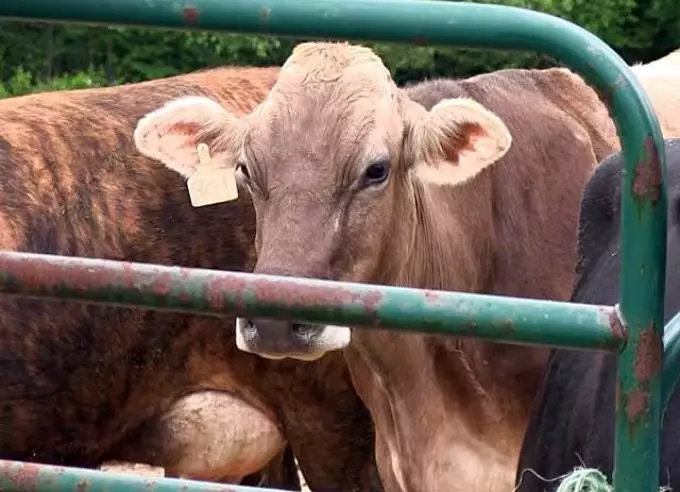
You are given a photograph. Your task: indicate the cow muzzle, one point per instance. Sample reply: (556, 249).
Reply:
(273, 339)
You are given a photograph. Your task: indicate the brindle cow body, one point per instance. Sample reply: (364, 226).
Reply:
(469, 185)
(84, 384)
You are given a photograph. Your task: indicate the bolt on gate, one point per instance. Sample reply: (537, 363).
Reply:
(617, 329)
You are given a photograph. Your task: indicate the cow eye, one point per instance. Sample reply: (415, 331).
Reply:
(243, 169)
(377, 172)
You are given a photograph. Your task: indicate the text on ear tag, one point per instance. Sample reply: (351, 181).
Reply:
(211, 183)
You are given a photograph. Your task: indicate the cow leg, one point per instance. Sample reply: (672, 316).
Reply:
(330, 429)
(207, 435)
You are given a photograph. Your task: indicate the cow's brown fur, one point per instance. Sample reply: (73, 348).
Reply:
(79, 382)
(449, 413)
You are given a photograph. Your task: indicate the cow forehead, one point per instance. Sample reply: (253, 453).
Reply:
(330, 81)
(324, 124)
(332, 106)
(330, 62)
(328, 84)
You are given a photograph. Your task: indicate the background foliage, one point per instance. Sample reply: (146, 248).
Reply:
(38, 57)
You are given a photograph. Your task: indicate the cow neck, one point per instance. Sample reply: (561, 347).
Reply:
(454, 243)
(444, 243)
(441, 248)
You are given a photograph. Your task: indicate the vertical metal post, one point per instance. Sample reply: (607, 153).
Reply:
(643, 262)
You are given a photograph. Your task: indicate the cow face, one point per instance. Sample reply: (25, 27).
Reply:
(331, 158)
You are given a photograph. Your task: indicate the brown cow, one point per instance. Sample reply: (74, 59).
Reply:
(85, 384)
(355, 179)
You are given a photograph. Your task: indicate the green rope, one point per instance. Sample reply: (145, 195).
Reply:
(585, 480)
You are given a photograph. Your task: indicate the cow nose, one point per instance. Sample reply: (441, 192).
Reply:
(273, 338)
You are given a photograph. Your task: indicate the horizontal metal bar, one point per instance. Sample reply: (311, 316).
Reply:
(16, 476)
(314, 301)
(419, 21)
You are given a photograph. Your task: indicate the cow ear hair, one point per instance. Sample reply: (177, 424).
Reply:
(456, 140)
(171, 134)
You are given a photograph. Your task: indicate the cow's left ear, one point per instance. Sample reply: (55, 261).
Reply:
(172, 133)
(456, 140)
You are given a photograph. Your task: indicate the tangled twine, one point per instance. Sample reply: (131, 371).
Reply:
(589, 480)
(585, 480)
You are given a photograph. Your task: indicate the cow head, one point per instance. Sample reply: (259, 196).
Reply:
(331, 158)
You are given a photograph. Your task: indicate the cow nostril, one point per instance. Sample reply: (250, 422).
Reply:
(297, 328)
(250, 325)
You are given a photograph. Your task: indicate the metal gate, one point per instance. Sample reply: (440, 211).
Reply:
(632, 329)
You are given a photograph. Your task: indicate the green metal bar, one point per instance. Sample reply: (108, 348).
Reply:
(671, 362)
(16, 476)
(314, 301)
(496, 27)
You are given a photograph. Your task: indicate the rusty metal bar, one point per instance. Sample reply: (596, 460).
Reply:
(16, 476)
(313, 301)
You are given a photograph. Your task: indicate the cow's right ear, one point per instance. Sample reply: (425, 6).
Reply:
(171, 134)
(456, 140)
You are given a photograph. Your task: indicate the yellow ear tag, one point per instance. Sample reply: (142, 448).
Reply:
(211, 183)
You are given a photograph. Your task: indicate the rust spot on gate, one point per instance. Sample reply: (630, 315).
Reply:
(128, 278)
(24, 476)
(190, 15)
(217, 288)
(371, 303)
(646, 365)
(285, 296)
(636, 404)
(31, 273)
(47, 276)
(607, 94)
(617, 329)
(431, 296)
(420, 40)
(647, 182)
(163, 284)
(310, 296)
(648, 357)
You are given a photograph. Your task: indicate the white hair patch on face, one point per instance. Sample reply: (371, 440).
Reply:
(333, 337)
(327, 339)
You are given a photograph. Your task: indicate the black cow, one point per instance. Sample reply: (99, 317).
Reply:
(573, 421)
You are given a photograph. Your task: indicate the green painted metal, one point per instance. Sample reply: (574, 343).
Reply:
(16, 476)
(494, 27)
(671, 362)
(313, 301)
